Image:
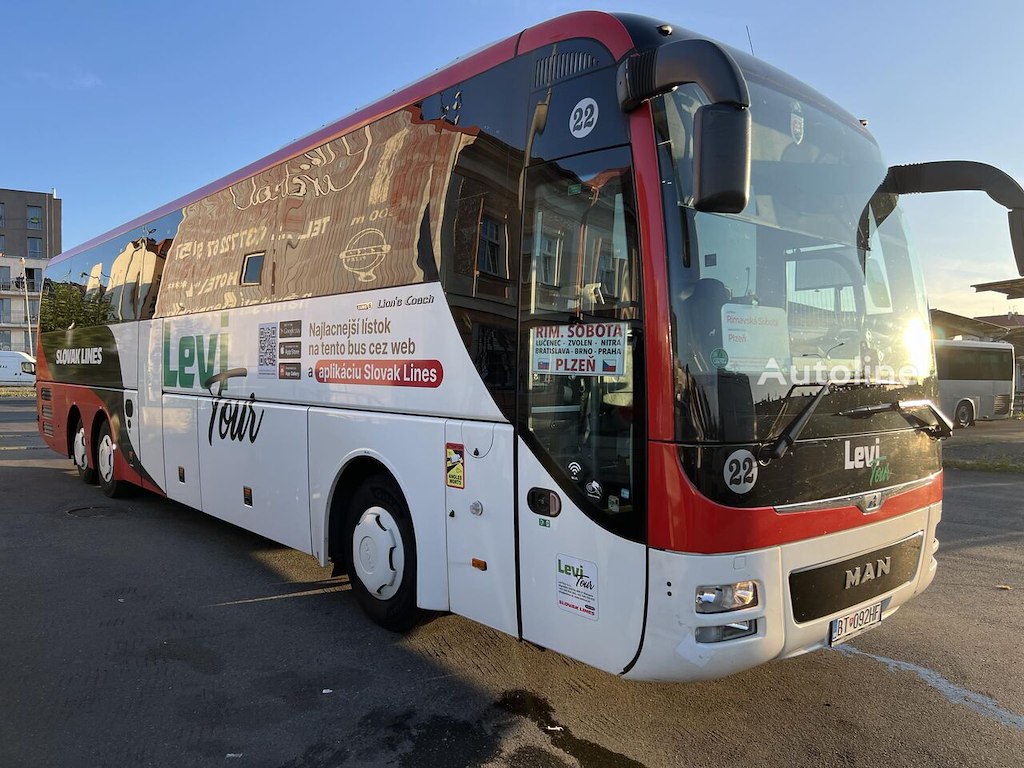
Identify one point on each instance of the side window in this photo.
(480, 231)
(359, 212)
(581, 404)
(110, 283)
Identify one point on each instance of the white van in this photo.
(17, 368)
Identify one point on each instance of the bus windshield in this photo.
(815, 281)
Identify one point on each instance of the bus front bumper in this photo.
(801, 588)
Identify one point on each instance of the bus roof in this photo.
(972, 344)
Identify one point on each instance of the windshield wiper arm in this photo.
(941, 428)
(778, 447)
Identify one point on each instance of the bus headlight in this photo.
(721, 598)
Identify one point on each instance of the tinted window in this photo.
(353, 214)
(252, 270)
(576, 90)
(480, 232)
(973, 363)
(582, 403)
(113, 282)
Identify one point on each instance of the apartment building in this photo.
(30, 225)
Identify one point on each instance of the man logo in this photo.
(861, 574)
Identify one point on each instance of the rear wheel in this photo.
(80, 454)
(382, 554)
(105, 449)
(964, 415)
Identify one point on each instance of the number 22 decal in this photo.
(740, 471)
(583, 118)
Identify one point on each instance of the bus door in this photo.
(581, 516)
(479, 471)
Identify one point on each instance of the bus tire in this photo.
(105, 448)
(80, 454)
(382, 554)
(963, 416)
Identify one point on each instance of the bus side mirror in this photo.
(1016, 216)
(721, 158)
(960, 175)
(722, 127)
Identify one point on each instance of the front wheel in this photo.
(382, 554)
(105, 449)
(80, 454)
(964, 415)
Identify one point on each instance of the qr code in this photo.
(268, 349)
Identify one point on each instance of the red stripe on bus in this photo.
(657, 338)
(599, 26)
(89, 405)
(681, 519)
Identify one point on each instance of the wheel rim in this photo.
(963, 416)
(105, 458)
(378, 553)
(79, 448)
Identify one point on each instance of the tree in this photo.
(66, 304)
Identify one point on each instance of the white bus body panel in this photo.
(149, 441)
(181, 450)
(130, 417)
(412, 450)
(481, 524)
(552, 561)
(344, 351)
(260, 447)
(126, 337)
(670, 651)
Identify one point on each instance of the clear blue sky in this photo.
(123, 106)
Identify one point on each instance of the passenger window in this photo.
(582, 405)
(113, 282)
(252, 269)
(480, 231)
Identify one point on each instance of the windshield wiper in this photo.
(941, 428)
(778, 447)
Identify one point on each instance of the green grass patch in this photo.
(1001, 464)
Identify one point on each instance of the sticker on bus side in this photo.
(576, 585)
(583, 118)
(455, 465)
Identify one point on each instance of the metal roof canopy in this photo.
(1013, 288)
(952, 324)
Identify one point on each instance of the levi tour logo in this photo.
(868, 456)
(202, 361)
(198, 358)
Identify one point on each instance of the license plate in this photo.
(852, 624)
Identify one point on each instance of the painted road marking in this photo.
(983, 705)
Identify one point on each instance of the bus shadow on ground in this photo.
(220, 644)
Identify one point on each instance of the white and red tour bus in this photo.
(607, 336)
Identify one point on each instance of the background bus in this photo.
(976, 379)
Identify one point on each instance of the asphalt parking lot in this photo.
(992, 445)
(137, 632)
